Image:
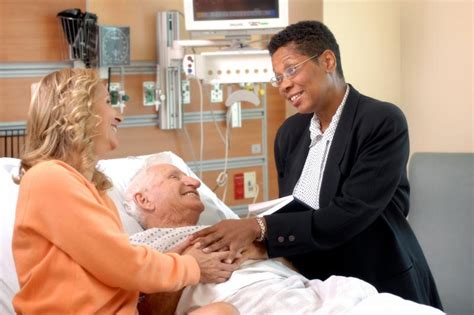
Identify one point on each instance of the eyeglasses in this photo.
(289, 72)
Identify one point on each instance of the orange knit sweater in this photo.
(71, 255)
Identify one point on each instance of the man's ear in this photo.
(143, 202)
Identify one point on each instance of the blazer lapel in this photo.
(343, 132)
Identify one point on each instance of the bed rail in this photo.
(12, 142)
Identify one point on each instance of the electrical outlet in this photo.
(250, 184)
(256, 148)
(114, 89)
(149, 98)
(217, 94)
(185, 92)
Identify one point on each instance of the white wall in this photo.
(368, 33)
(417, 54)
(437, 68)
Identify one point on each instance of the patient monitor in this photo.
(238, 17)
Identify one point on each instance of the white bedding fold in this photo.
(271, 287)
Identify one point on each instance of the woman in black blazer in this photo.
(344, 155)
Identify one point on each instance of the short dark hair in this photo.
(309, 38)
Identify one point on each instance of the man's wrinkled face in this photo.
(173, 196)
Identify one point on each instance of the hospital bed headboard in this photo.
(12, 142)
(441, 214)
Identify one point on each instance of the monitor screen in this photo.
(235, 16)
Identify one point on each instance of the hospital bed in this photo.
(120, 171)
(337, 294)
(12, 141)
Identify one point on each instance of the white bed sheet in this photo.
(270, 287)
(8, 192)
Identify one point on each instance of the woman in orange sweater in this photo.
(70, 252)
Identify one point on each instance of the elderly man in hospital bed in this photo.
(166, 202)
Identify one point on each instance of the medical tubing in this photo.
(221, 179)
(201, 125)
(257, 190)
(190, 143)
(219, 131)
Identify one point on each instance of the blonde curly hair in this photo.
(62, 124)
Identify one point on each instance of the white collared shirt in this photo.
(309, 185)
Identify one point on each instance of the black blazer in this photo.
(360, 229)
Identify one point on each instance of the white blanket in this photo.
(270, 287)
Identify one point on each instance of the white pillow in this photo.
(8, 195)
(120, 171)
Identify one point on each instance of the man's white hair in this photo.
(139, 182)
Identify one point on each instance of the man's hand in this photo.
(256, 250)
(181, 247)
(213, 269)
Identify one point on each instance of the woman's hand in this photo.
(235, 235)
(212, 265)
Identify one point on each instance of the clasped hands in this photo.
(223, 247)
